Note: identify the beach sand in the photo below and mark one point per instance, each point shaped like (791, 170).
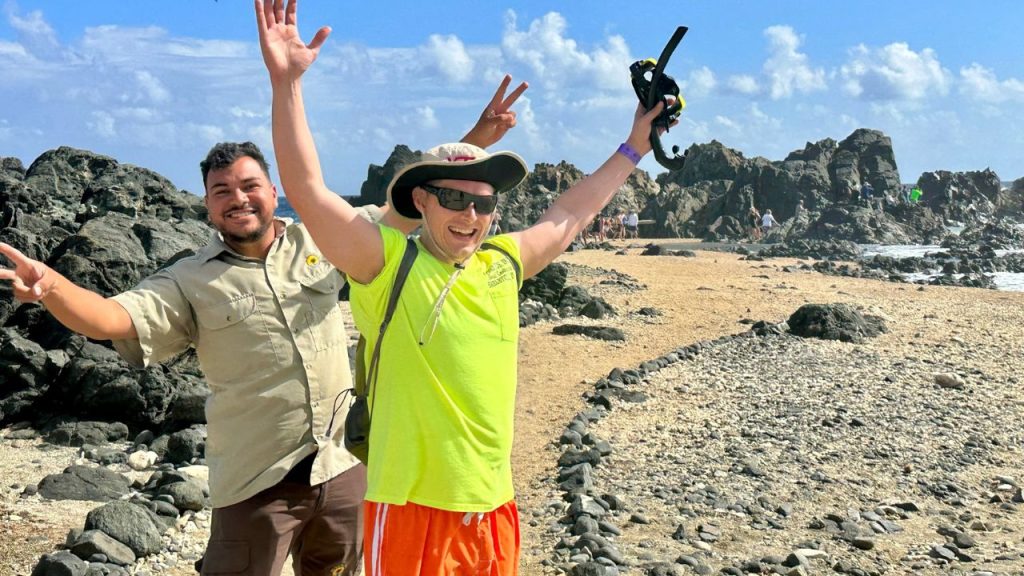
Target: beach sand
(700, 298)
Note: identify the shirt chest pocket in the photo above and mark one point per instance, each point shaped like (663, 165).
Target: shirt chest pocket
(233, 342)
(324, 320)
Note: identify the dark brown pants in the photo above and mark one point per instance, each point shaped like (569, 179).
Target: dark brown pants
(321, 526)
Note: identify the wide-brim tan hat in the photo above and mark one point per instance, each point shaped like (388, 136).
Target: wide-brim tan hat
(456, 161)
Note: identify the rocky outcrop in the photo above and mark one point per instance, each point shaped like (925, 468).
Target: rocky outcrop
(813, 192)
(374, 188)
(710, 197)
(960, 197)
(106, 225)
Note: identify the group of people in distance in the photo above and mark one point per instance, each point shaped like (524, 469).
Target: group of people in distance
(622, 226)
(761, 224)
(259, 303)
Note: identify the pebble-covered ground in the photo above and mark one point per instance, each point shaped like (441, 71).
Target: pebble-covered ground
(762, 454)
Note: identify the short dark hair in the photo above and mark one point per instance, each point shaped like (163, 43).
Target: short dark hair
(225, 154)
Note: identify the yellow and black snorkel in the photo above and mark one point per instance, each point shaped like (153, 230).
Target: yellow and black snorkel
(653, 85)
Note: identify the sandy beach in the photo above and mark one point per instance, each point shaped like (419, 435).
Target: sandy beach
(700, 299)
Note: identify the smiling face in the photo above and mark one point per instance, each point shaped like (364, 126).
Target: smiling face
(453, 235)
(241, 202)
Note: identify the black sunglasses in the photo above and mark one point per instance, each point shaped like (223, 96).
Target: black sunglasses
(458, 200)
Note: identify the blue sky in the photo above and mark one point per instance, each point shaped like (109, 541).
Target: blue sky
(157, 86)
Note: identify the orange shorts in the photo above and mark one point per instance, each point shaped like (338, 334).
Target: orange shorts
(413, 539)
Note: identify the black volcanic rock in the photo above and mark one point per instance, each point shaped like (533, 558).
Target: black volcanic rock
(711, 196)
(834, 322)
(1011, 201)
(106, 225)
(960, 196)
(374, 188)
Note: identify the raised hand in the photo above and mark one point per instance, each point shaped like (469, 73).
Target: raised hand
(284, 53)
(497, 117)
(31, 279)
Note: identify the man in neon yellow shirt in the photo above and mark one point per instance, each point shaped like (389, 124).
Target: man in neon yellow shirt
(439, 489)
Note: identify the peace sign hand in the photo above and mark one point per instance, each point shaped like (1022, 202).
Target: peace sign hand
(31, 279)
(497, 117)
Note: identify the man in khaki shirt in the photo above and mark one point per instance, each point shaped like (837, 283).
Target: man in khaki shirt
(260, 305)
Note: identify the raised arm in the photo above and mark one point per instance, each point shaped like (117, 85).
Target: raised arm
(81, 310)
(350, 242)
(574, 209)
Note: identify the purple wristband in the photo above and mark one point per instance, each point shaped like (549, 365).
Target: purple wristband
(628, 151)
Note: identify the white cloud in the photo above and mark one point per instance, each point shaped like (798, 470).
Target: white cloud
(13, 50)
(239, 112)
(102, 124)
(131, 46)
(152, 88)
(701, 82)
(742, 84)
(761, 119)
(451, 57)
(728, 123)
(145, 115)
(426, 118)
(894, 72)
(32, 29)
(786, 69)
(556, 59)
(981, 83)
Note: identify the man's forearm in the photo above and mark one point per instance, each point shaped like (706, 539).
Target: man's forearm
(88, 313)
(348, 241)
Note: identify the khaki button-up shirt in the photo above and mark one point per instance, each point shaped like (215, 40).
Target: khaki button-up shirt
(271, 342)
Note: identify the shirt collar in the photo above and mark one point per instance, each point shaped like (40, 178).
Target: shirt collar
(216, 246)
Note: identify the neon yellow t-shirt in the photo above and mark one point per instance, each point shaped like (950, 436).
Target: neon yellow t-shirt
(442, 412)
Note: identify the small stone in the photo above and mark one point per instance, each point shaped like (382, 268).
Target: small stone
(950, 380)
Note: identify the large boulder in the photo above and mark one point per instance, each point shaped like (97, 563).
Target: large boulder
(840, 322)
(961, 197)
(131, 524)
(97, 484)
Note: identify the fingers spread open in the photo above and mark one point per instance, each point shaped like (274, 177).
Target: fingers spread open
(319, 38)
(292, 14)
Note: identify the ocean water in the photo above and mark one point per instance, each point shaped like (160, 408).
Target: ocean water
(1004, 280)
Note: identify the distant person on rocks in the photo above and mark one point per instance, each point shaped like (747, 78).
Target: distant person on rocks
(867, 192)
(853, 191)
(768, 221)
(755, 223)
(879, 200)
(440, 498)
(632, 224)
(915, 194)
(259, 303)
(799, 208)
